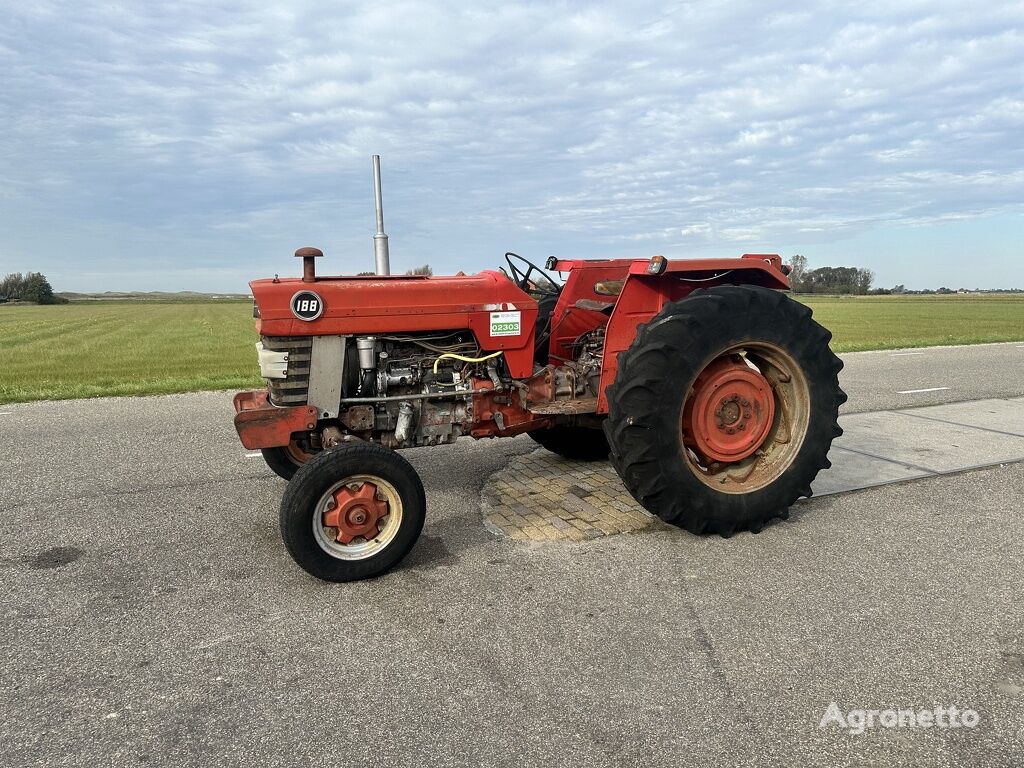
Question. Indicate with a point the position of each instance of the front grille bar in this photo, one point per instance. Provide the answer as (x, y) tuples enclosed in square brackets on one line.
[(294, 389)]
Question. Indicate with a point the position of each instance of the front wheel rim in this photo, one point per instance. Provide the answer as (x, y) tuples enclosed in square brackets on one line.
[(357, 518), (297, 454), (756, 390)]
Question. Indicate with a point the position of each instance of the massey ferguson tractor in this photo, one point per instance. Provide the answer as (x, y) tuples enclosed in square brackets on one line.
[(714, 394)]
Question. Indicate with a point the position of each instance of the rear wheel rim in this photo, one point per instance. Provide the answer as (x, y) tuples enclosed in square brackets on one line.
[(745, 417), (358, 517)]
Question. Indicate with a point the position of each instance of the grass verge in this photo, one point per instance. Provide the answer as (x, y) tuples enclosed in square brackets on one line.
[(860, 323), (147, 348), (129, 348)]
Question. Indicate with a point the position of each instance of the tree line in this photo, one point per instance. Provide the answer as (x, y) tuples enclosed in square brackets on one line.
[(424, 270), (32, 287), (854, 280)]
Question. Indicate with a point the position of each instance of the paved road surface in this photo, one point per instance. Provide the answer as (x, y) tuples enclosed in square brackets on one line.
[(906, 378), (151, 616)]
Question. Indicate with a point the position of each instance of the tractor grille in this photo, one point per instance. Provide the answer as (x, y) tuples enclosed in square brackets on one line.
[(293, 390)]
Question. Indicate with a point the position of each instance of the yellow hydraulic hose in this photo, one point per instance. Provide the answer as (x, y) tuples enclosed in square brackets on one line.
[(464, 359)]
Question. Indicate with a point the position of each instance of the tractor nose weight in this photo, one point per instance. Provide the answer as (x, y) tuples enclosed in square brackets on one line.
[(308, 255)]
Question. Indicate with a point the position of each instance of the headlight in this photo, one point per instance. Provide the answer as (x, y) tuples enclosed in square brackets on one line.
[(657, 265)]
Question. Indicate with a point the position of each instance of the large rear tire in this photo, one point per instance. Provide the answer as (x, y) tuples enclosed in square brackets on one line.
[(571, 442), (724, 408), (352, 512)]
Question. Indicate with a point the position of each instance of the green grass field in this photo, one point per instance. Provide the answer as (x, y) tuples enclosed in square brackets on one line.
[(125, 348), (135, 348), (893, 322)]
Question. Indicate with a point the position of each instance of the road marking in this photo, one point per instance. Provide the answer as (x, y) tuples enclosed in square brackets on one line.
[(918, 391), (216, 642), (8, 413), (902, 354), (253, 455)]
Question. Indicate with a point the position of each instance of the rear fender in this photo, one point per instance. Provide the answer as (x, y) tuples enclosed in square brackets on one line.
[(643, 296)]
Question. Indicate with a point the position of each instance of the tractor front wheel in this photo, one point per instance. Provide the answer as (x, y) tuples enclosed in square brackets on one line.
[(286, 460), (352, 512), (724, 408)]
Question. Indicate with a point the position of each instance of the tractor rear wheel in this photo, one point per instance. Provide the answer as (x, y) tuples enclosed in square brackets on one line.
[(571, 442), (286, 460), (724, 408), (352, 512)]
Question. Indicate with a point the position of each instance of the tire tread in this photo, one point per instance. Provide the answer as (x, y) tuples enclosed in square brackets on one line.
[(678, 338)]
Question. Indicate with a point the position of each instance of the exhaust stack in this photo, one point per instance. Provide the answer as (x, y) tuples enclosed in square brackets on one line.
[(381, 254)]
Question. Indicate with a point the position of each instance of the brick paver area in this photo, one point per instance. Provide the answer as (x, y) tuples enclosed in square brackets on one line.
[(542, 497)]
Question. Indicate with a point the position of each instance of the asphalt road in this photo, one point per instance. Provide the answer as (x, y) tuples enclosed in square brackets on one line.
[(905, 378), (152, 617)]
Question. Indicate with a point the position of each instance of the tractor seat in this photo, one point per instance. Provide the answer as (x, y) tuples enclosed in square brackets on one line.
[(609, 287)]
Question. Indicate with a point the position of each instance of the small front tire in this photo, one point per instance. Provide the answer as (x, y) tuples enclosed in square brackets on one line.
[(352, 512), (284, 461)]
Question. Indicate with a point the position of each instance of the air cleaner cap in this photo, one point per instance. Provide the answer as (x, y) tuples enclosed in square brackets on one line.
[(307, 254)]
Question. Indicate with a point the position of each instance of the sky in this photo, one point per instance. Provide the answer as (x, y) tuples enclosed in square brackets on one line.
[(195, 145)]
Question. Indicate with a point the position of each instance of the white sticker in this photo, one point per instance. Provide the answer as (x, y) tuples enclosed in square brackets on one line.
[(506, 323)]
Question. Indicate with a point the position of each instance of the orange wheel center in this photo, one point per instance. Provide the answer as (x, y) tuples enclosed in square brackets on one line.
[(730, 411), (356, 512)]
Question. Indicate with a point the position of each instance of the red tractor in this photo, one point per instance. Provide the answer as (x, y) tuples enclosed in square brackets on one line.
[(715, 394)]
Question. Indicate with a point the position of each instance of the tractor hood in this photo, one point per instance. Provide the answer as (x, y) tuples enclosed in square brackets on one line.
[(499, 314)]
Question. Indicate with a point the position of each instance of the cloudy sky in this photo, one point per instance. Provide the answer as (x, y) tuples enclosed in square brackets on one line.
[(195, 145)]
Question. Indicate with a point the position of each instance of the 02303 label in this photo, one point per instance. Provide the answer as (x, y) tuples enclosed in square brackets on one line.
[(506, 323)]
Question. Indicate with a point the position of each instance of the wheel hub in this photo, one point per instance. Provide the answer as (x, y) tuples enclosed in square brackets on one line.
[(730, 411), (355, 511)]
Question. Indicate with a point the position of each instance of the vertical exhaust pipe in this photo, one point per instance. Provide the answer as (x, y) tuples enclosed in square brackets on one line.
[(381, 254)]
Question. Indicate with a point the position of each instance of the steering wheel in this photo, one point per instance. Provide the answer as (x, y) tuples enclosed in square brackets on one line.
[(543, 284)]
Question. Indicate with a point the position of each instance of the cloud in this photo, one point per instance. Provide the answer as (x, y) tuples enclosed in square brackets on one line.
[(216, 132)]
